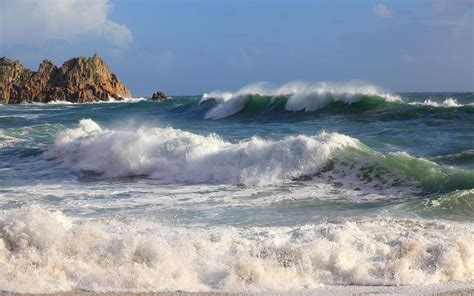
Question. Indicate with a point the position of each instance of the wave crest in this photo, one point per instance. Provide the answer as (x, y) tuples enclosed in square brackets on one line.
[(173, 156), (301, 96), (447, 103)]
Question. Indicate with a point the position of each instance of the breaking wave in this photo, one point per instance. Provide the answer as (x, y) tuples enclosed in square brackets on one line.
[(173, 155), (447, 103), (46, 251), (300, 96)]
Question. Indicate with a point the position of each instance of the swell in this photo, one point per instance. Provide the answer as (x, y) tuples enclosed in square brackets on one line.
[(455, 205), (253, 104), (295, 96), (44, 251), (462, 158), (177, 156), (26, 140), (355, 98)]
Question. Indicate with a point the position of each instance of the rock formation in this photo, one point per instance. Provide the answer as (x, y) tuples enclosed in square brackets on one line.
[(78, 80), (159, 96)]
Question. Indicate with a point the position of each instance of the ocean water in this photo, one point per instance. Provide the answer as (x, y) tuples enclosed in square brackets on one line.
[(297, 187)]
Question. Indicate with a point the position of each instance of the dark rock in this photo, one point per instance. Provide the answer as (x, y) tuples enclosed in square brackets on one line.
[(78, 80), (159, 96)]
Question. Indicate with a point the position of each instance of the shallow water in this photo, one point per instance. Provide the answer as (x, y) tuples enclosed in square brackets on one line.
[(264, 189)]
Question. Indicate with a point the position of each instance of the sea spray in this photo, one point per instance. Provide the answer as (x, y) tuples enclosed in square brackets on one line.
[(261, 98), (173, 155), (301, 96)]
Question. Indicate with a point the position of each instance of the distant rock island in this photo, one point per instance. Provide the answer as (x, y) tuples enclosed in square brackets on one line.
[(159, 96), (78, 80)]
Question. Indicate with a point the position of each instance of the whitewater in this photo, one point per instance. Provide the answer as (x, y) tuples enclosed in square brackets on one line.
[(310, 188)]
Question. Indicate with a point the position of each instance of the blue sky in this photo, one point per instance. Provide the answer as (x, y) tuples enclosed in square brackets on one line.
[(190, 47)]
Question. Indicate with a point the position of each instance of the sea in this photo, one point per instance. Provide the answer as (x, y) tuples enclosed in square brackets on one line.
[(294, 188)]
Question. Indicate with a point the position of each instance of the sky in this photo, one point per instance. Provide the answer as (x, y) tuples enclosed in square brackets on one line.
[(186, 47)]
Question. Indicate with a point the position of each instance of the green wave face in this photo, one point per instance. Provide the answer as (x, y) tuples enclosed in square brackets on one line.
[(457, 205), (396, 170), (361, 104), (248, 105), (433, 177)]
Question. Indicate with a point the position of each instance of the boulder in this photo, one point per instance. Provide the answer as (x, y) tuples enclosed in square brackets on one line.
[(78, 80), (159, 96)]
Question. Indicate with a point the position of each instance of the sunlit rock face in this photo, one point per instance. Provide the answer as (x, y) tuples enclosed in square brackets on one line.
[(78, 80)]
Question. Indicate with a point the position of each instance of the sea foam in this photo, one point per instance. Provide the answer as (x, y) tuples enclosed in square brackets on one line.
[(177, 156), (46, 251), (111, 100), (447, 103), (174, 155)]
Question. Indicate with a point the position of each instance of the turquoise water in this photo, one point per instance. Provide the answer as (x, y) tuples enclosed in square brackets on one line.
[(247, 191)]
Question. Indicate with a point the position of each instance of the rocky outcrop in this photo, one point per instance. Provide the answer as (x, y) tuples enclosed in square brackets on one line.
[(78, 80), (159, 96)]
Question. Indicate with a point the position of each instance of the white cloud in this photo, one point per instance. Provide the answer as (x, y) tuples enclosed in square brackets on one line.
[(381, 10), (40, 21)]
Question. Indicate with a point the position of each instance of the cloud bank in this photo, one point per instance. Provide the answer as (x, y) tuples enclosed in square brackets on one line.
[(35, 22)]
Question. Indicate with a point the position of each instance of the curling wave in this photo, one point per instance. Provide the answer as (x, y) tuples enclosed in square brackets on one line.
[(300, 96), (173, 155)]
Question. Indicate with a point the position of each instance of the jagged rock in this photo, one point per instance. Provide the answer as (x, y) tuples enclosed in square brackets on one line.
[(78, 80), (159, 96)]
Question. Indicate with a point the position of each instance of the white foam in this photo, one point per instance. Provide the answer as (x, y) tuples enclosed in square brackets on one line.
[(7, 140), (125, 100), (175, 156), (111, 100), (178, 156), (60, 103), (302, 96), (449, 102), (46, 251)]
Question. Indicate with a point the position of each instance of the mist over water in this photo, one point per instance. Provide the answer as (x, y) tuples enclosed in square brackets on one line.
[(270, 188)]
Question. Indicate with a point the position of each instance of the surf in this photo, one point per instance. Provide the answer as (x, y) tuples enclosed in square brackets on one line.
[(356, 97), (177, 156), (47, 251)]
